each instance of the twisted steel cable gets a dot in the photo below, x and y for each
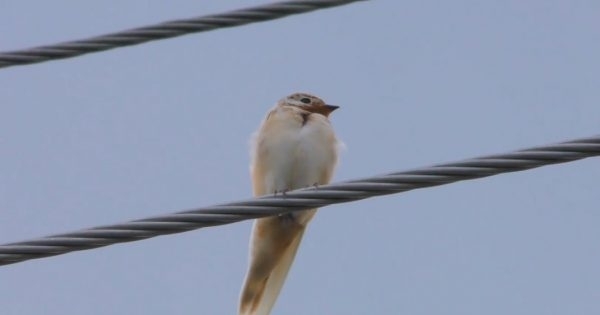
(165, 30)
(300, 199)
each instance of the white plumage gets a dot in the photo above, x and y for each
(295, 147)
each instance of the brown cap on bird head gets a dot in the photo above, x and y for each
(310, 103)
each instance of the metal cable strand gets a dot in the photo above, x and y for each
(299, 200)
(165, 30)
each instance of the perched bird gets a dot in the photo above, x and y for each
(295, 147)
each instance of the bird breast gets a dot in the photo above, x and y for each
(293, 151)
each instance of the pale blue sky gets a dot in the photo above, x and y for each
(164, 126)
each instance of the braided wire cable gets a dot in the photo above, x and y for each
(300, 199)
(165, 30)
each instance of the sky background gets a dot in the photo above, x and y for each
(164, 126)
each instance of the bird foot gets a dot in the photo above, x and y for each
(282, 191)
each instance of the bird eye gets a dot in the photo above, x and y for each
(305, 100)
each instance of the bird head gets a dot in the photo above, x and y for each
(309, 103)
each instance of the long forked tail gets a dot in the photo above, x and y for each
(261, 291)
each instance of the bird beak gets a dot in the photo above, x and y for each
(324, 110)
(330, 108)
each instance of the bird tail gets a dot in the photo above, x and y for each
(259, 294)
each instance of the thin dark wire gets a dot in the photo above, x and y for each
(299, 200)
(165, 30)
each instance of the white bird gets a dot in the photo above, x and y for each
(294, 147)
